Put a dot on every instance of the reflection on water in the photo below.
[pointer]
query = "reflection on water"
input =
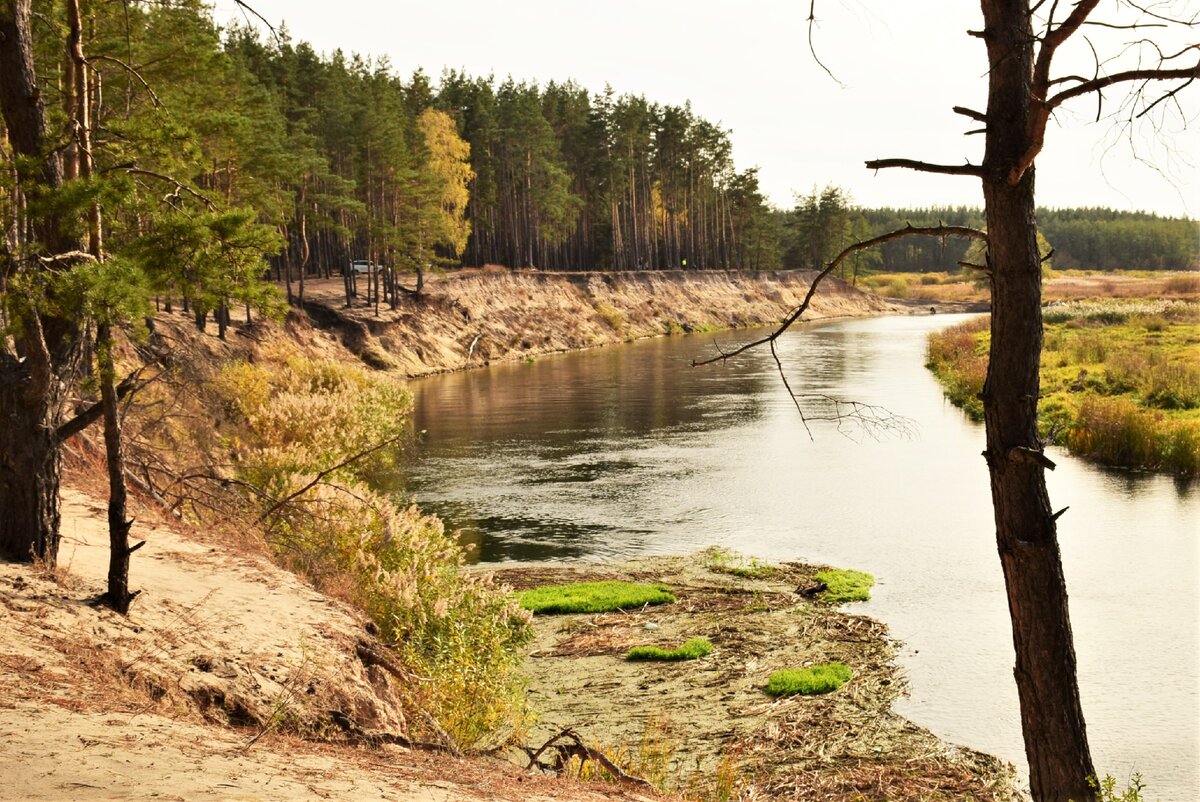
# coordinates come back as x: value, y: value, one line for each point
x: 630, y: 451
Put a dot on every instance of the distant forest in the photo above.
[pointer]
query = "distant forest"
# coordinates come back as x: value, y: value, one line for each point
x: 344, y: 160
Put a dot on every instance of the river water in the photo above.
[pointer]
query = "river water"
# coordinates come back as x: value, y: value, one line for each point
x: 629, y: 451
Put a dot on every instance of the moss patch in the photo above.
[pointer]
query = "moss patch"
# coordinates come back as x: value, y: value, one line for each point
x: 593, y: 597
x: 689, y: 650
x: 808, y: 681
x: 845, y: 586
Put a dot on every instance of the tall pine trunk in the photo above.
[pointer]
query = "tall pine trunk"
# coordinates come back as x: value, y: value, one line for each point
x: 1051, y: 716
x: 46, y: 353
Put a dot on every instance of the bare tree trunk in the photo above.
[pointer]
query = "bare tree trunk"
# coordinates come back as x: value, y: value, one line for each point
x: 117, y: 596
x: 1056, y: 742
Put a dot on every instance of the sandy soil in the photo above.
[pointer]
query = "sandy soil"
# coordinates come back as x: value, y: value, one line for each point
x: 188, y: 697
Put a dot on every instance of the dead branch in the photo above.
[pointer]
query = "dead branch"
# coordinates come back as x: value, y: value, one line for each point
x: 977, y: 116
x: 153, y: 97
x: 908, y: 231
x: 927, y: 167
x: 321, y: 476
x: 179, y: 186
x: 577, y: 748
x: 91, y: 414
x: 812, y: 23
x: 1097, y: 84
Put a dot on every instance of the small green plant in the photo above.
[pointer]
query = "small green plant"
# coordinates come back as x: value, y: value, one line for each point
x: 593, y: 597
x: 689, y: 650
x: 809, y: 681
x: 530, y: 359
x: 1107, y: 789
x: 845, y: 586
x: 727, y: 561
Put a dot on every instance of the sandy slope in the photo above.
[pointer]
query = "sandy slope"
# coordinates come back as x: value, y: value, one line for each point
x: 93, y: 706
x: 469, y: 319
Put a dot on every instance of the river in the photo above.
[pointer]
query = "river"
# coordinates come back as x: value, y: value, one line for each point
x: 629, y: 451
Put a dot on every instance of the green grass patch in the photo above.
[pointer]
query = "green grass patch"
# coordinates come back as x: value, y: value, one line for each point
x: 809, y: 681
x: 689, y: 650
x: 1120, y: 380
x: 593, y: 597
x: 845, y: 586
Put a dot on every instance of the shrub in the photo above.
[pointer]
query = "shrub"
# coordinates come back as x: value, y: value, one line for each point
x: 689, y: 650
x: 1107, y: 789
x: 1116, y: 432
x: 593, y: 597
x: 845, y: 586
x: 958, y: 358
x: 288, y: 426
x: 1184, y: 284
x: 809, y: 681
x: 611, y: 316
x: 897, y: 287
x: 1173, y: 386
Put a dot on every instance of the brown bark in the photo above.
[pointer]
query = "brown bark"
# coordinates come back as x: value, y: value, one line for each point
x: 47, y: 347
x: 1056, y: 742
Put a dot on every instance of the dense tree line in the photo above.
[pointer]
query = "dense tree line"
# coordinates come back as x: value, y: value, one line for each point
x: 1091, y: 238
x: 559, y: 178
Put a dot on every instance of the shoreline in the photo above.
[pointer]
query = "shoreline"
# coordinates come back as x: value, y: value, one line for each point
x: 710, y: 719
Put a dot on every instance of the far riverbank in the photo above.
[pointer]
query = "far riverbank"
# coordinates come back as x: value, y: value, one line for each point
x: 474, y: 318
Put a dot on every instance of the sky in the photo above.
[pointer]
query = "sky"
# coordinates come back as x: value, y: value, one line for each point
x: 899, y: 67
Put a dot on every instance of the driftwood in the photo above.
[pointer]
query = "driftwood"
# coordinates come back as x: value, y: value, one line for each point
x: 812, y: 589
x: 568, y: 744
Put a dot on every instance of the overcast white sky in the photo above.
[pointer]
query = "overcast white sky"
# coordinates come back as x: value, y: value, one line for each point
x: 746, y: 65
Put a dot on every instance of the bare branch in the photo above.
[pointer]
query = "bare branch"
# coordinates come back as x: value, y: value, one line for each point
x: 927, y: 167
x: 157, y: 103
x: 1190, y: 23
x: 91, y: 414
x: 176, y: 183
x: 251, y: 9
x: 977, y: 116
x: 907, y: 231
x: 316, y: 480
x: 812, y: 22
x: 1131, y: 26
x: 1097, y: 84
x: 787, y: 386
x: 1168, y: 96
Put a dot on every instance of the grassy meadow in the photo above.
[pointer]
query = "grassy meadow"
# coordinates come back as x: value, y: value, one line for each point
x: 1120, y: 379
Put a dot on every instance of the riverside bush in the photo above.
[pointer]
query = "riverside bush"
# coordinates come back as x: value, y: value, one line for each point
x: 1120, y: 381
x: 295, y: 431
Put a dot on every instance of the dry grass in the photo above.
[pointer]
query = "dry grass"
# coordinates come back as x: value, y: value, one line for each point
x: 1060, y: 286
